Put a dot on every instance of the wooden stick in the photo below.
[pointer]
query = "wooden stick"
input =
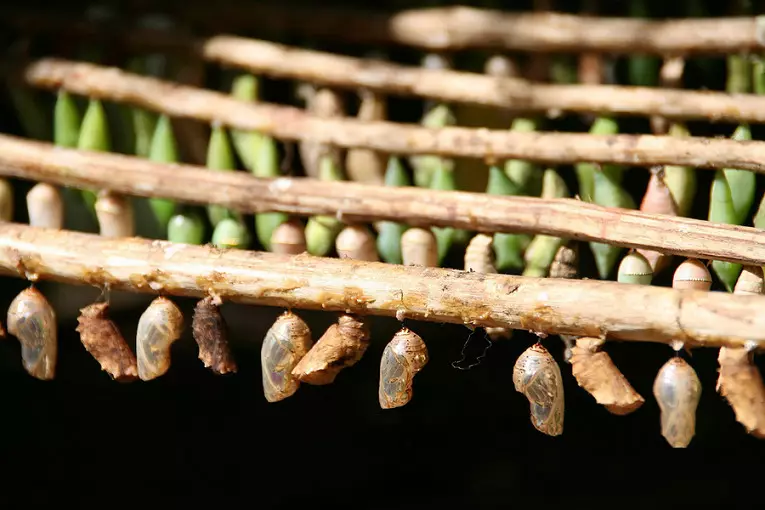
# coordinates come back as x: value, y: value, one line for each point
x: 294, y: 124
x: 283, y: 61
x: 458, y: 28
x: 353, y: 202
x: 553, y: 306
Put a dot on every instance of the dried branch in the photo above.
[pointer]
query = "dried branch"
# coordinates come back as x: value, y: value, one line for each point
x: 294, y: 124
x: 333, y: 70
x: 456, y: 28
x: 353, y: 202
x: 553, y: 306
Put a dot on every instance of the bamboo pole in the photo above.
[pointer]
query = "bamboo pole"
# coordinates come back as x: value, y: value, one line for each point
x: 353, y: 202
x: 546, y: 305
x: 281, y: 61
x: 294, y: 124
x: 458, y: 28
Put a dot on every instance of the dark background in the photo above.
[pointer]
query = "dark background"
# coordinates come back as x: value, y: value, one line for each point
x: 191, y: 437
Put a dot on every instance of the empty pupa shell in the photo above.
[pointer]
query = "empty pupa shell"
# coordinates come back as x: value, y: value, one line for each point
x: 692, y: 274
x: 211, y: 334
x: 566, y: 262
x: 103, y: 340
x: 32, y: 320
x: 537, y: 375
x: 159, y: 326
x: 402, y: 358
x: 341, y: 346
x: 285, y: 344
x: 356, y: 242
x: 419, y: 248
x: 115, y: 215
x: 289, y: 238
x: 45, y: 206
x: 749, y: 281
x: 740, y: 382
x: 634, y: 268
x: 677, y: 390
x: 596, y: 373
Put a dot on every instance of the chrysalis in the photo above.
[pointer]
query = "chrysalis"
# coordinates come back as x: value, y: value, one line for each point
x: 32, y: 320
x: 635, y: 268
x: 740, y: 381
x: 692, y: 274
x: 479, y: 257
x: 419, y: 248
x: 402, y: 358
x: 596, y: 373
x: 341, y: 346
x: 115, y: 215
x: 211, y: 335
x: 657, y: 200
x: 103, y: 340
x: 289, y: 238
x: 356, y: 242
x: 323, y: 103
x: 537, y: 375
x: 285, y: 344
x: 677, y: 390
x: 159, y: 326
x: 45, y: 206
x: 566, y: 265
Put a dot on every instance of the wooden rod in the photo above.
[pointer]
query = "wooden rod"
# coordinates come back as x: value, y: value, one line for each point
x: 294, y: 124
x: 546, y: 305
x: 352, y: 202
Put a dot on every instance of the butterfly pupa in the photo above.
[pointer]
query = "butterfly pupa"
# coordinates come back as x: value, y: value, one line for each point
x: 32, y: 320
x: 479, y: 257
x: 364, y: 165
x: 657, y: 200
x: 692, y: 274
x: 594, y: 371
x: 285, y: 344
x: 289, y: 238
x: 102, y: 339
x: 537, y: 375
x: 341, y: 346
x: 419, y: 248
x: 211, y: 335
x: 402, y: 359
x: 677, y: 390
x: 45, y: 206
x: 566, y: 265
x: 740, y: 381
x: 115, y: 215
x: 635, y: 268
x: 356, y: 242
x: 159, y: 326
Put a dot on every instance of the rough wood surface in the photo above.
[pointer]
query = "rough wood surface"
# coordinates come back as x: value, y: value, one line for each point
x: 548, y: 305
x: 359, y: 203
x: 283, y: 122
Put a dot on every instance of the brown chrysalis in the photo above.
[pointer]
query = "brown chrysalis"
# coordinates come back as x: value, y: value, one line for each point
x: 103, y: 340
x: 211, y: 334
x: 285, y: 344
x: 402, y: 359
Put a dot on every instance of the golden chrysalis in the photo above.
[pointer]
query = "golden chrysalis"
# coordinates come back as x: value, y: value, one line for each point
x: 402, y: 358
x: 159, y: 326
x: 537, y: 375
x: 596, y: 373
x: 285, y: 344
x: 103, y: 340
x: 32, y: 320
x: 677, y: 390
x: 211, y: 334
x: 341, y: 346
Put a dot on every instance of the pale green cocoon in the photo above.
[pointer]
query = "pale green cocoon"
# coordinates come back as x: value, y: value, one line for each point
x: 230, y: 233
x: 508, y: 248
x: 759, y: 217
x: 424, y: 166
x: 446, y: 237
x: 635, y: 268
x: 220, y: 157
x: 681, y: 180
x: 66, y: 121
x: 321, y: 231
x: 742, y: 183
x: 721, y: 211
x: 643, y: 70
x: 540, y: 253
x: 246, y: 87
x: 164, y: 149
x: 267, y: 165
x: 94, y: 136
x: 389, y: 232
x: 187, y: 228
x: 608, y: 193
x: 144, y: 124
x: 585, y: 172
x: 526, y: 175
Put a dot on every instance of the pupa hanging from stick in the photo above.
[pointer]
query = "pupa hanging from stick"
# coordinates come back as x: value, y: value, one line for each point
x: 102, y: 339
x: 537, y: 375
x: 32, y: 320
x: 285, y: 344
x: 402, y: 359
x: 211, y: 335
